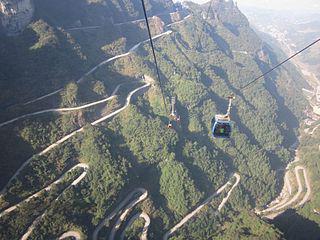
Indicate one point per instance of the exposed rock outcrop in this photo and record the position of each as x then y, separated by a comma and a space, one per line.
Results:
15, 15
156, 25
175, 16
263, 55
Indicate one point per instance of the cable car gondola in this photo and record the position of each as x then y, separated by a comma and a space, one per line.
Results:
173, 117
221, 124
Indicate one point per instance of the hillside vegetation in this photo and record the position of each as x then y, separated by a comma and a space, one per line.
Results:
201, 62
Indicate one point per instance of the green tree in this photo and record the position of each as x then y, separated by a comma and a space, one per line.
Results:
69, 95
177, 187
107, 174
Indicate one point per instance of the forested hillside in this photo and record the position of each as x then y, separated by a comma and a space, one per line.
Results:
304, 222
75, 53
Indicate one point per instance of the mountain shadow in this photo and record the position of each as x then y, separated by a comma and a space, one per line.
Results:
297, 227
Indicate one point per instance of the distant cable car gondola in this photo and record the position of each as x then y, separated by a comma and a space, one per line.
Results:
174, 117
221, 124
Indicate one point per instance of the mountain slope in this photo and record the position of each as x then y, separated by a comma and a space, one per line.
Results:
202, 61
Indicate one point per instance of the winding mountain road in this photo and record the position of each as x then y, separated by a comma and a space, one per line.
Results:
84, 28
118, 209
65, 138
76, 235
48, 188
62, 110
178, 22
143, 215
39, 218
43, 97
143, 19
241, 52
287, 201
298, 193
126, 211
314, 129
225, 199
131, 50
77, 108
125, 207
208, 200
284, 195
308, 186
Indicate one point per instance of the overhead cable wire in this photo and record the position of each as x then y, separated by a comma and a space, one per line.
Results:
280, 64
154, 55
273, 68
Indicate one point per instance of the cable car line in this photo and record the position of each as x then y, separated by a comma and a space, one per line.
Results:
154, 56
272, 69
280, 64
221, 123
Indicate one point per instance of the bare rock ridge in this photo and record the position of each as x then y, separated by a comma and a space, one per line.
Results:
15, 15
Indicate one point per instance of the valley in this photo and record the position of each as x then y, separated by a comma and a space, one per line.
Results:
289, 36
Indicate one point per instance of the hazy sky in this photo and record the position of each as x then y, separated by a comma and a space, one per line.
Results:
278, 4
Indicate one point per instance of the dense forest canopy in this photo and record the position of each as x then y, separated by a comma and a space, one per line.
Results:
82, 49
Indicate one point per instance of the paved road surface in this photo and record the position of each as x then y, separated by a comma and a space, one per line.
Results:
110, 59
225, 199
39, 218
65, 138
286, 201
208, 200
117, 210
313, 130
285, 195
306, 180
297, 195
48, 188
62, 110
178, 22
125, 212
99, 65
84, 28
69, 234
144, 235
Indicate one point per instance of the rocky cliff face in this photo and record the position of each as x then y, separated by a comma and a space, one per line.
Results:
15, 15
